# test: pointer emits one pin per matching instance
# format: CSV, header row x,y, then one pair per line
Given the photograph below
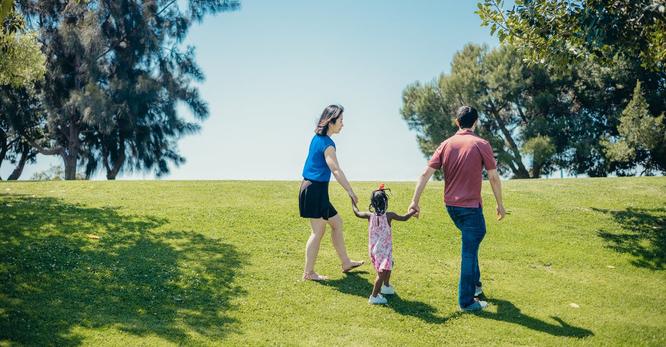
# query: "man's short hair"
x,y
466,116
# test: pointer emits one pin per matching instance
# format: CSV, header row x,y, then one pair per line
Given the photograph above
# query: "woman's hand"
x,y
353,197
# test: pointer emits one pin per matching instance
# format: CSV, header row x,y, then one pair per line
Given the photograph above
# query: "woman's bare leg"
x,y
338,239
312,246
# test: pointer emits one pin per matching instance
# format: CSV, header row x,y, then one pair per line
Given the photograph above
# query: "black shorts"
x,y
313,200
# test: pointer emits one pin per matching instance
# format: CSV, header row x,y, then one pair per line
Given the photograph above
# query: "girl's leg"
x,y
312,246
381,277
387,277
338,239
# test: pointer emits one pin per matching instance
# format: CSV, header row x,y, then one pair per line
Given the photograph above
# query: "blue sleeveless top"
x,y
316,168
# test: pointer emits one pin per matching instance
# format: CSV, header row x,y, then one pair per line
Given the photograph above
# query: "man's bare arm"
x,y
496,184
420,185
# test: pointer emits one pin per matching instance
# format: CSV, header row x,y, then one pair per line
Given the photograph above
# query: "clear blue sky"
x,y
274,65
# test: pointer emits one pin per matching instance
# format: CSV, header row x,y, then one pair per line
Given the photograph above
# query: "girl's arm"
x,y
332,162
394,216
359,214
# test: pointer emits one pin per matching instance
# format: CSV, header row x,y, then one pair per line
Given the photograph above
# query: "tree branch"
x,y
46,151
501,12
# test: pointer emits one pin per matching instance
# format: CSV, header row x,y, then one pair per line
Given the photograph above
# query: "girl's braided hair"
x,y
379,200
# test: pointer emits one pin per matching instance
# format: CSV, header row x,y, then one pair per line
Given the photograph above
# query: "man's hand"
x,y
414,206
501,213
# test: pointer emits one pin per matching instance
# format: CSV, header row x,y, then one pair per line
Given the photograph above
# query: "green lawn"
x,y
219,263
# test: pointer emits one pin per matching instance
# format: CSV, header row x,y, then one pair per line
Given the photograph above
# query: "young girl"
x,y
380,241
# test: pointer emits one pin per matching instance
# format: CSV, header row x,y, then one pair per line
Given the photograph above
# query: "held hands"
x,y
501,212
414,206
353,197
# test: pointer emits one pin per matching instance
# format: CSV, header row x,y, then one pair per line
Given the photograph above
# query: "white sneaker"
x,y
478,291
377,300
476,306
388,290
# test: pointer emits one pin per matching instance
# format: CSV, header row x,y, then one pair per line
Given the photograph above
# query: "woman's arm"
x,y
359,214
332,162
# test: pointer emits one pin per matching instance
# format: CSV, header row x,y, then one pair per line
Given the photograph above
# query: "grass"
x,y
219,263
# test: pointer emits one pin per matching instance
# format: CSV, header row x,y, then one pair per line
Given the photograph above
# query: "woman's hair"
x,y
379,201
330,115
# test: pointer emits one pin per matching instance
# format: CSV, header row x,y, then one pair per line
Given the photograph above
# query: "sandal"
x,y
355,264
314,277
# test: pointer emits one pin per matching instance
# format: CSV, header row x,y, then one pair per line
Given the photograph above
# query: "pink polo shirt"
x,y
462,157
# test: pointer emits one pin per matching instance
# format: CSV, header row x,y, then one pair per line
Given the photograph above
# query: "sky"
x,y
273,66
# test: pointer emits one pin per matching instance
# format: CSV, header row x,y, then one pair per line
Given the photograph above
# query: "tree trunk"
x,y
25,154
70,166
536,171
3,147
112,172
521,170
72,153
513,168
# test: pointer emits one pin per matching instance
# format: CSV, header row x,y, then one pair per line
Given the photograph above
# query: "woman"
x,y
313,201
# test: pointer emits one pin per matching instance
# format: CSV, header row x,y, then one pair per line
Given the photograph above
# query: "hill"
x,y
576,262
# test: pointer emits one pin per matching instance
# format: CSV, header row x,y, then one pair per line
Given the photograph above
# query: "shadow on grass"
x,y
354,284
643,236
65,266
508,312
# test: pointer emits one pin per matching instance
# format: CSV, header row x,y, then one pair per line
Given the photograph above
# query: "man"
x,y
462,158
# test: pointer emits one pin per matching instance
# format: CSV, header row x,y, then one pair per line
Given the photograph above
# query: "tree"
x,y
21,60
564,32
542,150
116,73
21,66
20,120
604,47
641,138
144,85
516,103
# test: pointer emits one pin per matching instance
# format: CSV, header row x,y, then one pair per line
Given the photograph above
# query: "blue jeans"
x,y
472,225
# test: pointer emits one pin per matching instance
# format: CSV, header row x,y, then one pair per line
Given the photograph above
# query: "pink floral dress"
x,y
380,242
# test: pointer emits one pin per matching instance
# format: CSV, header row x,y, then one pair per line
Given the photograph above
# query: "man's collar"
x,y
464,131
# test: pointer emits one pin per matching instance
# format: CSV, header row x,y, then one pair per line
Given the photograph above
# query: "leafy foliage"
x,y
563,32
641,138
